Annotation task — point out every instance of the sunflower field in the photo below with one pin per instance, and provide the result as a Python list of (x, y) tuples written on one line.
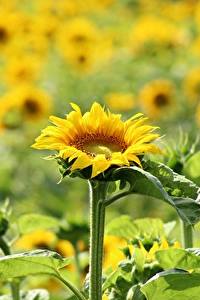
[(99, 102)]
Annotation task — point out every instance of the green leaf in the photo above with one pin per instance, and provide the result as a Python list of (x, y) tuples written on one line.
[(178, 258), (31, 222), (126, 228), (175, 184), (122, 226), (31, 263), (135, 294), (38, 294), (191, 168), (172, 285), (162, 183), (139, 259)]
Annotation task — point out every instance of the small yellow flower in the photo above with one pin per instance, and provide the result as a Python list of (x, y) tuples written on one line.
[(23, 104), (120, 101), (21, 70), (192, 84), (150, 255), (40, 239), (150, 32), (156, 97), (64, 248), (98, 139), (113, 251)]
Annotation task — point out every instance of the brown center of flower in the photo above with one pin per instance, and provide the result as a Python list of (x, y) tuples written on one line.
[(79, 38), (3, 35), (94, 144), (82, 59), (31, 106), (161, 100)]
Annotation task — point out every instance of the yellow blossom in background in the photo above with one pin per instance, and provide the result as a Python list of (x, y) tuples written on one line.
[(150, 32), (64, 248), (192, 84), (8, 29), (21, 70), (40, 239), (198, 115), (82, 44), (150, 255), (177, 10), (157, 97), (120, 101), (98, 138), (113, 253)]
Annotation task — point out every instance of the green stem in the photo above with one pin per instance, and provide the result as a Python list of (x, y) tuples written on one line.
[(14, 284), (77, 262), (72, 288), (97, 221), (187, 235)]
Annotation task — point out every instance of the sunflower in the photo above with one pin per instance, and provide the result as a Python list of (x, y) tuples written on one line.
[(98, 139), (23, 104), (156, 97), (120, 101), (8, 28), (192, 84), (113, 253), (150, 255), (42, 239), (198, 115), (150, 32), (23, 70)]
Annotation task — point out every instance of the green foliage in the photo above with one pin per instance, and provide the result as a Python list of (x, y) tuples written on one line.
[(191, 168), (31, 263), (31, 222), (179, 258), (172, 284), (38, 294), (129, 229), (160, 182)]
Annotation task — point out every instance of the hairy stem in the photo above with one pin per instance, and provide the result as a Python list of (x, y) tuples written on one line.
[(187, 235), (97, 222)]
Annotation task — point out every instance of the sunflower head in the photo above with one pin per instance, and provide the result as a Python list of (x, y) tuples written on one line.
[(97, 140)]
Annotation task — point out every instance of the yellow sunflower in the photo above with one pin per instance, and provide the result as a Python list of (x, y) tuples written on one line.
[(26, 103), (113, 251), (151, 32), (42, 239), (156, 97), (98, 138), (192, 84), (198, 115), (120, 101), (21, 70), (150, 255)]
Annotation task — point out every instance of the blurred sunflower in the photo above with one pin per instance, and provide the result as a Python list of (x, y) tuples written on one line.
[(40, 239), (150, 33), (64, 248), (192, 84), (198, 115), (157, 97), (113, 253), (99, 139), (120, 101), (23, 104), (8, 28), (82, 44), (20, 70), (150, 254)]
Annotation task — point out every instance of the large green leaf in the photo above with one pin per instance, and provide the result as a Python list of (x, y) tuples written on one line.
[(166, 185), (31, 263), (125, 227), (179, 258), (172, 285), (30, 222), (175, 184)]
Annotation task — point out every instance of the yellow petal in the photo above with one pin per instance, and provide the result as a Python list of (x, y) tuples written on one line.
[(82, 161), (99, 165)]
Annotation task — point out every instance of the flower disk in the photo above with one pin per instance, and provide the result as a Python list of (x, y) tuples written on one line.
[(98, 139)]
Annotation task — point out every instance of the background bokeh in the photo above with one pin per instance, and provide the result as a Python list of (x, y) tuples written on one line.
[(131, 55)]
